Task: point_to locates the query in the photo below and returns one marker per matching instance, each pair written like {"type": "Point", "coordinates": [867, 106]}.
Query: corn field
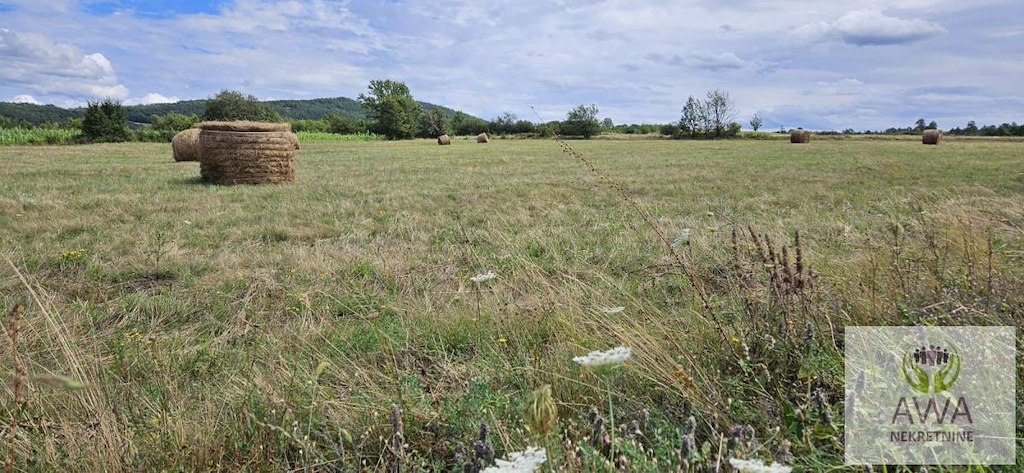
{"type": "Point", "coordinates": [316, 136]}
{"type": "Point", "coordinates": [37, 136]}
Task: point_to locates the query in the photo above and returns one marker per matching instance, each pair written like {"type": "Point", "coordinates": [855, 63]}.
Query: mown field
{"type": "Point", "coordinates": [171, 325]}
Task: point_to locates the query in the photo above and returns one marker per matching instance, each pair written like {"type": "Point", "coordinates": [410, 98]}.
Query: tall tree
{"type": "Point", "coordinates": [755, 122]}
{"type": "Point", "coordinates": [720, 111]}
{"type": "Point", "coordinates": [693, 119]}
{"type": "Point", "coordinates": [395, 114]}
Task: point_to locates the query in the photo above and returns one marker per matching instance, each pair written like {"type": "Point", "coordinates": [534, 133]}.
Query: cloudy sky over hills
{"type": "Point", "coordinates": [817, 64]}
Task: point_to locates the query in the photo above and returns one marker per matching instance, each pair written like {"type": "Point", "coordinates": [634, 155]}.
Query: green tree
{"type": "Point", "coordinates": [693, 119]}
{"type": "Point", "coordinates": [582, 121]}
{"type": "Point", "coordinates": [173, 122]}
{"type": "Point", "coordinates": [608, 123]}
{"type": "Point", "coordinates": [720, 112]}
{"type": "Point", "coordinates": [919, 125]}
{"type": "Point", "coordinates": [433, 123]}
{"type": "Point", "coordinates": [104, 122]}
{"type": "Point", "coordinates": [230, 105]}
{"type": "Point", "coordinates": [393, 111]}
{"type": "Point", "coordinates": [932, 125]}
{"type": "Point", "coordinates": [504, 124]}
{"type": "Point", "coordinates": [755, 122]}
{"type": "Point", "coordinates": [340, 124]}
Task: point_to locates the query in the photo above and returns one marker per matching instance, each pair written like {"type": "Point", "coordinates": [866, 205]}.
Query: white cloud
{"type": "Point", "coordinates": [870, 27]}
{"type": "Point", "coordinates": [151, 98]}
{"type": "Point", "coordinates": [34, 62]}
{"type": "Point", "coordinates": [24, 98]}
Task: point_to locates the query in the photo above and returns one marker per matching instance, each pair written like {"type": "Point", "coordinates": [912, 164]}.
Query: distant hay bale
{"type": "Point", "coordinates": [800, 135]}
{"type": "Point", "coordinates": [444, 140]}
{"type": "Point", "coordinates": [482, 138]}
{"type": "Point", "coordinates": [246, 153]}
{"type": "Point", "coordinates": [294, 139]}
{"type": "Point", "coordinates": [185, 145]}
{"type": "Point", "coordinates": [931, 137]}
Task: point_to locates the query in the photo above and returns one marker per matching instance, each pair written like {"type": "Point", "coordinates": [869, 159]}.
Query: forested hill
{"type": "Point", "coordinates": [313, 109]}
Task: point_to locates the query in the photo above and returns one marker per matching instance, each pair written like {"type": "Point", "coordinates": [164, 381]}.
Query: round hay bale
{"type": "Point", "coordinates": [444, 140]}
{"type": "Point", "coordinates": [800, 135]}
{"type": "Point", "coordinates": [482, 138]}
{"type": "Point", "coordinates": [931, 137]}
{"type": "Point", "coordinates": [185, 145]}
{"type": "Point", "coordinates": [246, 157]}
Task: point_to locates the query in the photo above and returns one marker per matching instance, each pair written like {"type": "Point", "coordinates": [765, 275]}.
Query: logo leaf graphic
{"type": "Point", "coordinates": [919, 381]}
{"type": "Point", "coordinates": [946, 377]}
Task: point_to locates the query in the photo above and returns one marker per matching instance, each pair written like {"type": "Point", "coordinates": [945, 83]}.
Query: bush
{"type": "Point", "coordinates": [104, 122]}
{"type": "Point", "coordinates": [342, 125]}
{"type": "Point", "coordinates": [230, 105]}
{"type": "Point", "coordinates": [582, 121]}
{"type": "Point", "coordinates": [669, 130]}
{"type": "Point", "coordinates": [174, 122]}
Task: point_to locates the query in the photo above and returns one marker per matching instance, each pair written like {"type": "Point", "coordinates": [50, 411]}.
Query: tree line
{"type": "Point", "coordinates": [388, 108]}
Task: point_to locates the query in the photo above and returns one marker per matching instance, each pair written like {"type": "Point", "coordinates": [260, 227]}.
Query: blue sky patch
{"type": "Point", "coordinates": [154, 8]}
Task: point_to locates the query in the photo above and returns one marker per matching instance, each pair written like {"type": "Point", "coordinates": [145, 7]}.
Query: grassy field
{"type": "Point", "coordinates": [171, 325]}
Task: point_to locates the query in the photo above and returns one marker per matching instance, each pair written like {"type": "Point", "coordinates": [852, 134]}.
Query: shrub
{"type": "Point", "coordinates": [230, 105]}
{"type": "Point", "coordinates": [582, 121]}
{"type": "Point", "coordinates": [104, 122]}
{"type": "Point", "coordinates": [174, 122]}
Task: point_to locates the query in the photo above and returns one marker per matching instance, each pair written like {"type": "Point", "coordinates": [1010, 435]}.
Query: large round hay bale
{"type": "Point", "coordinates": [482, 138]}
{"type": "Point", "coordinates": [799, 135]}
{"type": "Point", "coordinates": [246, 153]}
{"type": "Point", "coordinates": [931, 137]}
{"type": "Point", "coordinates": [444, 140]}
{"type": "Point", "coordinates": [185, 145]}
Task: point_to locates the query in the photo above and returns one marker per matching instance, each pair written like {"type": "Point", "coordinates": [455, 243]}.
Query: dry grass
{"type": "Point", "coordinates": [273, 327]}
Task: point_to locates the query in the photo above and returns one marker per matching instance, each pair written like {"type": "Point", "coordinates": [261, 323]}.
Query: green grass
{"type": "Point", "coordinates": [272, 327]}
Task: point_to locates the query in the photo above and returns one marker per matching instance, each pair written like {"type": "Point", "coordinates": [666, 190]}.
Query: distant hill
{"type": "Point", "coordinates": [313, 109]}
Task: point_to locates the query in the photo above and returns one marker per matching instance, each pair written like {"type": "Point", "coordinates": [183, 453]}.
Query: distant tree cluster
{"type": "Point", "coordinates": [231, 105]}
{"type": "Point", "coordinates": [972, 129]}
{"type": "Point", "coordinates": [711, 118]}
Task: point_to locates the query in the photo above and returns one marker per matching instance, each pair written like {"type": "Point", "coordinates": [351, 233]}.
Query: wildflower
{"type": "Point", "coordinates": [502, 340]}
{"type": "Point", "coordinates": [18, 215]}
{"type": "Point", "coordinates": [481, 278]}
{"type": "Point", "coordinates": [683, 239]}
{"type": "Point", "coordinates": [602, 358]}
{"type": "Point", "coordinates": [757, 466]}
{"type": "Point", "coordinates": [520, 462]}
{"type": "Point", "coordinates": [187, 222]}
{"type": "Point", "coordinates": [541, 410]}
{"type": "Point", "coordinates": [612, 310]}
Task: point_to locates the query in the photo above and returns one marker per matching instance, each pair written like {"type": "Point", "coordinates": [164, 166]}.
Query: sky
{"type": "Point", "coordinates": [819, 64]}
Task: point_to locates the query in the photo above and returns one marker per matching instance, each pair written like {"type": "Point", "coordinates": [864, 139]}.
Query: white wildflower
{"type": "Point", "coordinates": [602, 358]}
{"type": "Point", "coordinates": [683, 239]}
{"type": "Point", "coordinates": [612, 310]}
{"type": "Point", "coordinates": [479, 278]}
{"type": "Point", "coordinates": [520, 462]}
{"type": "Point", "coordinates": [757, 466]}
